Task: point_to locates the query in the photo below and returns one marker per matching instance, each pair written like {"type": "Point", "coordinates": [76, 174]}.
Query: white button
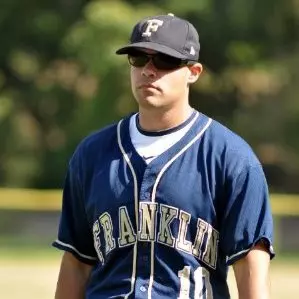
{"type": "Point", "coordinates": [143, 289]}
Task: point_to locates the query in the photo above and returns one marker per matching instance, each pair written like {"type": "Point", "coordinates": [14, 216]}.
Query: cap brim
{"type": "Point", "coordinates": [151, 46]}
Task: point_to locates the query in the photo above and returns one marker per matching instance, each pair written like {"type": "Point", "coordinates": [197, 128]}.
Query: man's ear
{"type": "Point", "coordinates": [195, 72]}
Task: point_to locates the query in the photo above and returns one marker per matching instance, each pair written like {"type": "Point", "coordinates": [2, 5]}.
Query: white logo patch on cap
{"type": "Point", "coordinates": [192, 51]}
{"type": "Point", "coordinates": [152, 26]}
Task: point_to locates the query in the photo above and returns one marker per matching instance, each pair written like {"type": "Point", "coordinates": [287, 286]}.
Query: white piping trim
{"type": "Point", "coordinates": [176, 156]}
{"type": "Point", "coordinates": [74, 249]}
{"type": "Point", "coordinates": [133, 279]}
{"type": "Point", "coordinates": [237, 254]}
{"type": "Point", "coordinates": [193, 120]}
{"type": "Point", "coordinates": [153, 197]}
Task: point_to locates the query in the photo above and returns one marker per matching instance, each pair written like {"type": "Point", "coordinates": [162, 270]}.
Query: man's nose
{"type": "Point", "coordinates": [149, 70]}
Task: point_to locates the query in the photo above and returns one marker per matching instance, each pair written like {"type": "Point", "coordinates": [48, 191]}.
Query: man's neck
{"type": "Point", "coordinates": [159, 120]}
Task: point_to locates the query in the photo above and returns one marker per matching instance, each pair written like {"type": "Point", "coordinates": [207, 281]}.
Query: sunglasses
{"type": "Point", "coordinates": [159, 60]}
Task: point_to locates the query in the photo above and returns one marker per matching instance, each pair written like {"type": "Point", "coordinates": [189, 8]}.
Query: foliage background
{"type": "Point", "coordinates": [60, 79]}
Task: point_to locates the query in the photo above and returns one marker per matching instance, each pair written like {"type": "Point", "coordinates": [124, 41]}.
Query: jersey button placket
{"type": "Point", "coordinates": [145, 258]}
{"type": "Point", "coordinates": [144, 247]}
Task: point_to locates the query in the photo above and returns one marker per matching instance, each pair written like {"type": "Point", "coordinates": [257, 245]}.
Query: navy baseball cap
{"type": "Point", "coordinates": [166, 34]}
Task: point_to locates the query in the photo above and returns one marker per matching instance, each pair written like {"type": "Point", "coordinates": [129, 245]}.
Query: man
{"type": "Point", "coordinates": [161, 203]}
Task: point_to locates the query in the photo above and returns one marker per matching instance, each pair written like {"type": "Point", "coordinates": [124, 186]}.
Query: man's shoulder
{"type": "Point", "coordinates": [230, 144]}
{"type": "Point", "coordinates": [101, 136]}
{"type": "Point", "coordinates": [226, 135]}
{"type": "Point", "coordinates": [99, 142]}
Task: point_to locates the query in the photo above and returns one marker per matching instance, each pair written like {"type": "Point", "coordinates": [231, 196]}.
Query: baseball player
{"type": "Point", "coordinates": [159, 204]}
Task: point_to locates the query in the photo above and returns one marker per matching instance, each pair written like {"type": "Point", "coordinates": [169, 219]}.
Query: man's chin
{"type": "Point", "coordinates": [150, 101]}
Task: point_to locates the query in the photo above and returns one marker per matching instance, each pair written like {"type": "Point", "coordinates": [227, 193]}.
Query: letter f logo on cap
{"type": "Point", "coordinates": [152, 26]}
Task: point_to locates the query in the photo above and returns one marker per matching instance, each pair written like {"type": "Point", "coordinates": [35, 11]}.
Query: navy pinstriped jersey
{"type": "Point", "coordinates": [168, 229]}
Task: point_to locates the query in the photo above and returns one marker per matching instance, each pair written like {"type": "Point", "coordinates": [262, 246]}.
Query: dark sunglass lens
{"type": "Point", "coordinates": [160, 61]}
{"type": "Point", "coordinates": [165, 62]}
{"type": "Point", "coordinates": [138, 59]}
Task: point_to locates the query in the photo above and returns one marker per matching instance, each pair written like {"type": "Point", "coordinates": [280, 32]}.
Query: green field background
{"type": "Point", "coordinates": [32, 274]}
{"type": "Point", "coordinates": [29, 265]}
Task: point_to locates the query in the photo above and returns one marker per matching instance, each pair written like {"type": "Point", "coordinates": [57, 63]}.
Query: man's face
{"type": "Point", "coordinates": [155, 88]}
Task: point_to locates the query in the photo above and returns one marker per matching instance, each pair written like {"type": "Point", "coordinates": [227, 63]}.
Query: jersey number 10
{"type": "Point", "coordinates": [201, 280]}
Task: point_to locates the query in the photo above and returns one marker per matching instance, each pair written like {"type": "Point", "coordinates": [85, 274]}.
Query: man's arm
{"type": "Point", "coordinates": [251, 273]}
{"type": "Point", "coordinates": [73, 277]}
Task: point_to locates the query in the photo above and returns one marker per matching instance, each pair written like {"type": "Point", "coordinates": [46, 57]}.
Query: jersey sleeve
{"type": "Point", "coordinates": [247, 217]}
{"type": "Point", "coordinates": [75, 233]}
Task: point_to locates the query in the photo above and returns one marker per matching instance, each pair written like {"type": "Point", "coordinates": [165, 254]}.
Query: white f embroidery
{"type": "Point", "coordinates": [152, 26]}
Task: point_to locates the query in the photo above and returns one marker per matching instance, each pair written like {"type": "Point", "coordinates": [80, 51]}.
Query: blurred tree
{"type": "Point", "coordinates": [60, 79]}
{"type": "Point", "coordinates": [34, 105]}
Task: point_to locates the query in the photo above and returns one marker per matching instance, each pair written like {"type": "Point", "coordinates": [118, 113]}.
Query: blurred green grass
{"type": "Point", "coordinates": [34, 267]}
{"type": "Point", "coordinates": [26, 247]}
{"type": "Point", "coordinates": [21, 248]}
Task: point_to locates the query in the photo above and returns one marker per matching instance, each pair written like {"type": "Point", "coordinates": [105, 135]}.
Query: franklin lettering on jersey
{"type": "Point", "coordinates": [163, 219]}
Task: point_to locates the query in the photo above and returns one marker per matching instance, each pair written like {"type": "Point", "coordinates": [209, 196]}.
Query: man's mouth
{"type": "Point", "coordinates": [148, 85]}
